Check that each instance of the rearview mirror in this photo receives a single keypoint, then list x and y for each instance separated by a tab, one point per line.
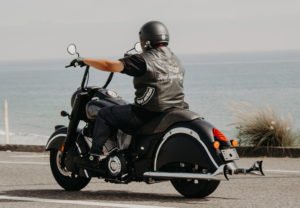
138	47
72	50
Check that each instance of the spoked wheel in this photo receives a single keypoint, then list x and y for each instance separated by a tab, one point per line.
193	188
64	178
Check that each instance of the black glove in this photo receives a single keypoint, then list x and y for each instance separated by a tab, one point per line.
77	62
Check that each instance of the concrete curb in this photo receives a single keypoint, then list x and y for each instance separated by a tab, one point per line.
268	152
243	151
22	148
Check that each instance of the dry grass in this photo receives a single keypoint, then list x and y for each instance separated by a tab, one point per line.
262	127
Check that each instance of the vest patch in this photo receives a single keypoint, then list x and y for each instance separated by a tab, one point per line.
146	97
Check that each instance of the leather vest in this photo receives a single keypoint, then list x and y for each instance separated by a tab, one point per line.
161	87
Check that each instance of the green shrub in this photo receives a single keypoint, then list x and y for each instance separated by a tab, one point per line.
262	127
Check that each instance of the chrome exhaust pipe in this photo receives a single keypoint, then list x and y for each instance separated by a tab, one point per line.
218	175
255	169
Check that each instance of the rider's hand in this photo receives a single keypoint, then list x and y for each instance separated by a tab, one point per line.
77	62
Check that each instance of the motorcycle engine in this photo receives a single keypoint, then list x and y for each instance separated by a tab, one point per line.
117	165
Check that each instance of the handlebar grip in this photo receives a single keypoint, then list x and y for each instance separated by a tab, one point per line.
68	66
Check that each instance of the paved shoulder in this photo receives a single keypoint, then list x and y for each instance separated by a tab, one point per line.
26	177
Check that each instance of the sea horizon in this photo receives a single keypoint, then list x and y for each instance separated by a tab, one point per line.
190	58
38	90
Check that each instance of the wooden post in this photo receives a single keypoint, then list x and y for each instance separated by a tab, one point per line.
6	121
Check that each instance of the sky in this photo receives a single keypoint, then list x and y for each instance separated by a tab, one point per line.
41	30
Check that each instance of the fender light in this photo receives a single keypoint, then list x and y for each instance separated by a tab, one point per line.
216	145
234	143
219	135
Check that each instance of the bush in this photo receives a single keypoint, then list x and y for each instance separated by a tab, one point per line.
262	127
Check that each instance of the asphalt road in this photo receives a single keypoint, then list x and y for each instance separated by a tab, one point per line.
26	181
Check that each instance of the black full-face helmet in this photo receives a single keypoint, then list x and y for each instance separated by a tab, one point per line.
153	33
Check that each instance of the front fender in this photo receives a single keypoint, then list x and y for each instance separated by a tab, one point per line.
57	138
188	142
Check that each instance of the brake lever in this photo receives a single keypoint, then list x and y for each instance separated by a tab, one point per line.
72	65
68	66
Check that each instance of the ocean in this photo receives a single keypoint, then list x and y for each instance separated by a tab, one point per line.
37	91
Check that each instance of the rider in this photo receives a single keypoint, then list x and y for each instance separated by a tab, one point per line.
158	82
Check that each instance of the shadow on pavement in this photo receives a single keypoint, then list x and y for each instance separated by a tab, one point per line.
105	195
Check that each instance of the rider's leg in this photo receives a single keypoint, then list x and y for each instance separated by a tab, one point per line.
111	118
102	131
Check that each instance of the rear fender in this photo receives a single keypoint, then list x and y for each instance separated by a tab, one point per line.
188	142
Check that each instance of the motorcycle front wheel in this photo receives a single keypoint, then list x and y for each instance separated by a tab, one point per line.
65	179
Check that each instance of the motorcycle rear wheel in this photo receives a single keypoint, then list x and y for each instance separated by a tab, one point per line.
195	188
64	178
191	188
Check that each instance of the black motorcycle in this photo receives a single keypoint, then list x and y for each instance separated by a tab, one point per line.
179	146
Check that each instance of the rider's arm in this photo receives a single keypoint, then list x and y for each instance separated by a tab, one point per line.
134	65
105	65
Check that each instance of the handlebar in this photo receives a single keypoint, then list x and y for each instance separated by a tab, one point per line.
86	73
68	66
73	65
108	80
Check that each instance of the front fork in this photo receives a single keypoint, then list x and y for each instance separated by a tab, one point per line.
76	115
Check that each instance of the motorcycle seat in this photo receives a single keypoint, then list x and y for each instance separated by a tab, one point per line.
162	122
